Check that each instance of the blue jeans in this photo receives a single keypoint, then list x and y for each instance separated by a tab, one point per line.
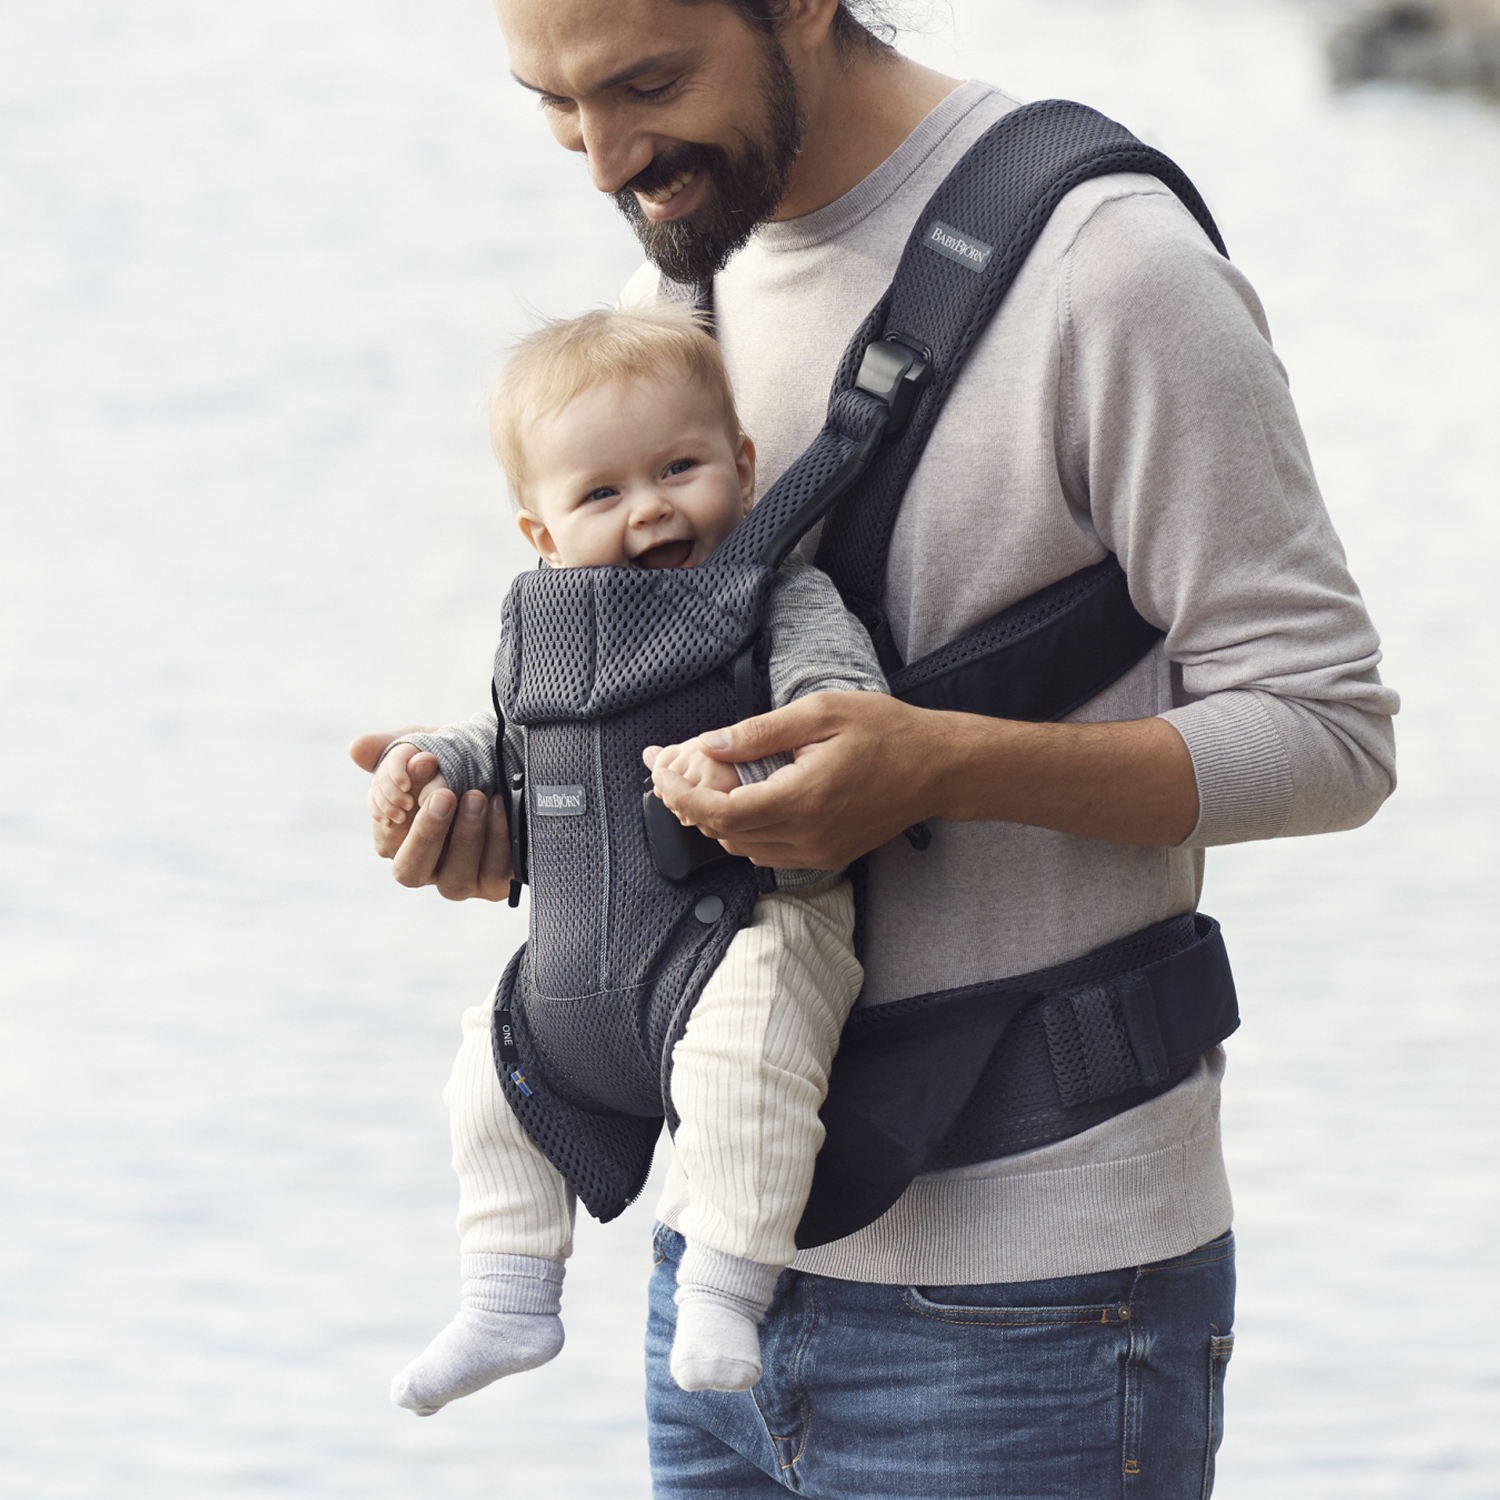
1081	1388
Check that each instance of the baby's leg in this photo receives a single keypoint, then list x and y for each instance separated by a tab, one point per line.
515	1221
748	1079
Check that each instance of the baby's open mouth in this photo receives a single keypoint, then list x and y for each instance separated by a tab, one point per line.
665	555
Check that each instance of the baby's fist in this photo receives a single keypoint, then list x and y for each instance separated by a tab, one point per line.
695	767
405	773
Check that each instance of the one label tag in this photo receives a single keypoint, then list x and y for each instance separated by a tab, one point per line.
957	245
505	1035
558	801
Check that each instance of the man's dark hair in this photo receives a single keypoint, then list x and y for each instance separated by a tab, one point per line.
858	25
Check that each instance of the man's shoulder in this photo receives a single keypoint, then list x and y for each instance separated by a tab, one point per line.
1125	246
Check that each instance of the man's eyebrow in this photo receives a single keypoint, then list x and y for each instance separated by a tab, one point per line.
644	65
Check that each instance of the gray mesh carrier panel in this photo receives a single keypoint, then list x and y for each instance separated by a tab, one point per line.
597	663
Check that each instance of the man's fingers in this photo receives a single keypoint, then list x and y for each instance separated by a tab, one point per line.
422	849
494	863
389	838
458	875
720	814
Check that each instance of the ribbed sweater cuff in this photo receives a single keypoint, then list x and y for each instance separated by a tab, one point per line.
1243	772
512	1283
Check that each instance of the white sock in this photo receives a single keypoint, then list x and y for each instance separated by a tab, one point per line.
508	1322
720	1302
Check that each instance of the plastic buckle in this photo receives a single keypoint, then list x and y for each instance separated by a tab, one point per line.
894	371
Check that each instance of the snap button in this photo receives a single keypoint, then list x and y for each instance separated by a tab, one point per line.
709	910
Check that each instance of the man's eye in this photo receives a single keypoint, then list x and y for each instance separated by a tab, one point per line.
651	95
554	102
680	467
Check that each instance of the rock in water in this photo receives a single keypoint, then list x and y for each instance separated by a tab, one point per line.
1444	43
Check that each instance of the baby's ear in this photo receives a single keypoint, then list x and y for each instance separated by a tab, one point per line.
536	533
744	464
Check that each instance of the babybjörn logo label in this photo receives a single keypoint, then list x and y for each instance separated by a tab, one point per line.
558	801
957	245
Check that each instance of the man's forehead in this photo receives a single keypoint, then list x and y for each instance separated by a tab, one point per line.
577	47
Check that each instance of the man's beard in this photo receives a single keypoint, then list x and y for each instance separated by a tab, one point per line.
743	189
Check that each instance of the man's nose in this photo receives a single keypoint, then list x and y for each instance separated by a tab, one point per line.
615	151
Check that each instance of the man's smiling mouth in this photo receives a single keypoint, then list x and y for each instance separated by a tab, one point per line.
670	191
665	555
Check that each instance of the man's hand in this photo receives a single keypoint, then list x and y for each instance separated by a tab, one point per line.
868	767
860	778
465	855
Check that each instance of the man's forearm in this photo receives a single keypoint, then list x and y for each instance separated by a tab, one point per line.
1131	783
868	766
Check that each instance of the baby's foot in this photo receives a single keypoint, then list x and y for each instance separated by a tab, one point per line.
477	1347
716	1346
720	1302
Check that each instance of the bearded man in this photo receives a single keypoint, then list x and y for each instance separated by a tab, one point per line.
1056	1321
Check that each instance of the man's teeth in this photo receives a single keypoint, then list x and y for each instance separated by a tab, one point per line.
671	190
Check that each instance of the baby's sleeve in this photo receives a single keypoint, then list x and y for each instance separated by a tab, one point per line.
817	646
466	752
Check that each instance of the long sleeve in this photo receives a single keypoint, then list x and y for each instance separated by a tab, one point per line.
1180	437
466	752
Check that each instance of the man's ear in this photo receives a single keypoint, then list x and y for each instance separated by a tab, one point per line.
744	468
808	22
535	532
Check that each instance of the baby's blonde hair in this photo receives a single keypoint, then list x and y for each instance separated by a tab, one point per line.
568	356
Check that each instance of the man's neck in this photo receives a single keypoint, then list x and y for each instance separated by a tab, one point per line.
859	110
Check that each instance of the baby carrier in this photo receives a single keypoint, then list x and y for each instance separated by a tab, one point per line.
631	913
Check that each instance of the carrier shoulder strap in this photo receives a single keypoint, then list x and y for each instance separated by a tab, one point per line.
961	259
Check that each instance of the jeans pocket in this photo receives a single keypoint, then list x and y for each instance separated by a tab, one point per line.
977	1310
664	1241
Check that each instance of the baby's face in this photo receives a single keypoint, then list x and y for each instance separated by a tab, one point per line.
635	474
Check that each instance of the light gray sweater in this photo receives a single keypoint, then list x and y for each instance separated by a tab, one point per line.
1126	399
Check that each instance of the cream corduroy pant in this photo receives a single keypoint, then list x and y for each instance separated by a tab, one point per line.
748	1079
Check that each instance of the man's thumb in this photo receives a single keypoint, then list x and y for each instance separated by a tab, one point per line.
366	749
753	739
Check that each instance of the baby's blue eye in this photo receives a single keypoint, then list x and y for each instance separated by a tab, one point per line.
600	494
680	467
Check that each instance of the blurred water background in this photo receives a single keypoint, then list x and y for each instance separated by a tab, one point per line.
256	264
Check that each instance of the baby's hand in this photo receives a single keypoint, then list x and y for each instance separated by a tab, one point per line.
689	762
405	777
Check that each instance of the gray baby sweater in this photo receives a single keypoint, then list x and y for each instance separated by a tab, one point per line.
1125	399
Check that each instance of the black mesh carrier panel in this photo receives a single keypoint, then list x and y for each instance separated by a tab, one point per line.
597	663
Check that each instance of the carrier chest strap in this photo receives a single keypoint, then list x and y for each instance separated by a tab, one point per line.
1041	659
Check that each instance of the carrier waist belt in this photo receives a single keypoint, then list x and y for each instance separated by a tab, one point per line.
972	1074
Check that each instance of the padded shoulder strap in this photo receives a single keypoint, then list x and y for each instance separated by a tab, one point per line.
962	258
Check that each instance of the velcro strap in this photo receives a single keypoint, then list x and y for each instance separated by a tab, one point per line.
1132	1030
1091	1053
